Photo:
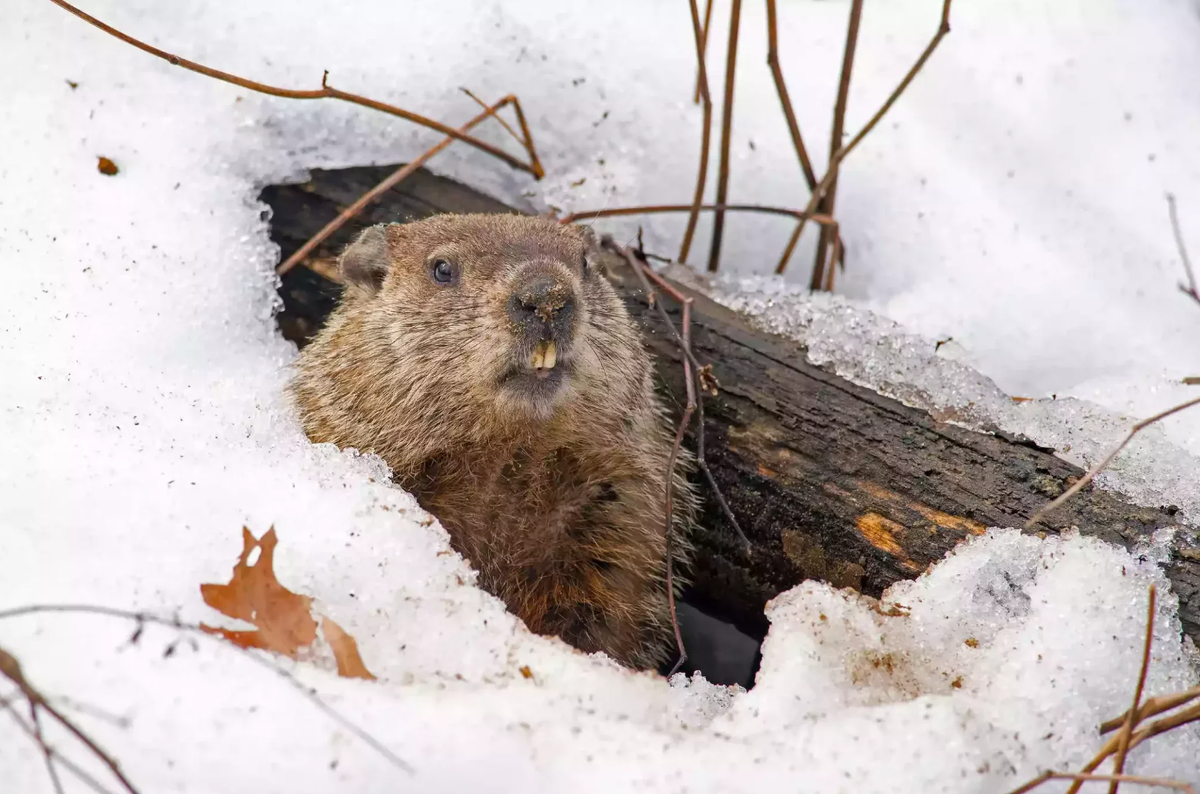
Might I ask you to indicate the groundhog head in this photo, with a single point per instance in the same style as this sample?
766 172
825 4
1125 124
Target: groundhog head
490 314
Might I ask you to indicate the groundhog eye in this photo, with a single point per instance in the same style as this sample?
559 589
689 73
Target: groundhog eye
443 271
583 264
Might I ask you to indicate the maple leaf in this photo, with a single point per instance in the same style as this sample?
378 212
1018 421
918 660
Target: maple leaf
283 619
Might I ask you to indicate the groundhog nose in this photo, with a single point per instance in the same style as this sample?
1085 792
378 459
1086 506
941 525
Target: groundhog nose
542 301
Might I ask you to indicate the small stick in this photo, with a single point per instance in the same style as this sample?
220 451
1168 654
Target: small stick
326 91
47 753
1127 728
649 209
781 88
1153 706
703 46
1099 467
684 343
1190 288
705 131
683 423
67 764
10 668
1081 777
836 161
145 617
395 178
714 251
829 195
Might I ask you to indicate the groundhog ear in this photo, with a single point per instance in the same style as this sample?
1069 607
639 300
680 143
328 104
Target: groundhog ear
364 263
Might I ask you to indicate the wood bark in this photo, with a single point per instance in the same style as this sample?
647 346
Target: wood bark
829 480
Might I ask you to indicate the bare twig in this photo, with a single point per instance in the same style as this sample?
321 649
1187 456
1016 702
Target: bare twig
1190 288
1099 467
1082 777
836 160
10 668
705 131
649 209
684 341
703 45
326 91
636 265
1153 706
395 178
264 661
47 753
61 759
781 87
829 195
714 251
1127 728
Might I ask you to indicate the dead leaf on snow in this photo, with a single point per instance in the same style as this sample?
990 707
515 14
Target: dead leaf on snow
283 619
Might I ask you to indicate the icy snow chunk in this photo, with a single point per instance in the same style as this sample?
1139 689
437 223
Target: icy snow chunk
873 351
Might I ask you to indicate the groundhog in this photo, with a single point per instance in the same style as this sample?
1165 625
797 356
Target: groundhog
494 368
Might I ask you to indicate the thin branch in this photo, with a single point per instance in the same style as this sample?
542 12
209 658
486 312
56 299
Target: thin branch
47 753
1153 706
66 763
649 209
1099 467
1190 288
1082 777
703 46
10 668
705 131
829 194
781 88
714 251
326 91
842 153
263 661
670 487
1127 728
395 178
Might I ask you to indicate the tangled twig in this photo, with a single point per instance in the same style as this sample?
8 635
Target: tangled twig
1190 288
1131 735
10 668
835 161
8 664
1099 467
694 386
326 91
701 37
402 173
718 232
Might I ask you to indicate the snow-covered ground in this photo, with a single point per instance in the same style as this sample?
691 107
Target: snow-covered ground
1013 201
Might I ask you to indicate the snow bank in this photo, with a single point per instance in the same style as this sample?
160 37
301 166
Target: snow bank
143 420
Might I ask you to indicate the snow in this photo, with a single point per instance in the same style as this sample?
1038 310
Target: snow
143 420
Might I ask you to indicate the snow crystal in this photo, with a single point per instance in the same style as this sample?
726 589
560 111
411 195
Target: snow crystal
1159 466
144 424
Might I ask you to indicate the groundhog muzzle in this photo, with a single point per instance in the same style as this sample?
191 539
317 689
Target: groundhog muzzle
493 367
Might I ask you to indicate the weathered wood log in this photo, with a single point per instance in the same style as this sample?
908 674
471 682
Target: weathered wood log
829 480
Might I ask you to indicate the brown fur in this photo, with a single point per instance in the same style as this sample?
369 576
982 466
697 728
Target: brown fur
557 500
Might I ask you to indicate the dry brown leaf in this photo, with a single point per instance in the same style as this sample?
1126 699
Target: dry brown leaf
107 167
283 619
526 672
345 651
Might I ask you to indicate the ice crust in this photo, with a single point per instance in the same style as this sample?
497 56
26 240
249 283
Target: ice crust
1161 466
143 424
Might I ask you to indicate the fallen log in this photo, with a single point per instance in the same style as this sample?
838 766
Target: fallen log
829 480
